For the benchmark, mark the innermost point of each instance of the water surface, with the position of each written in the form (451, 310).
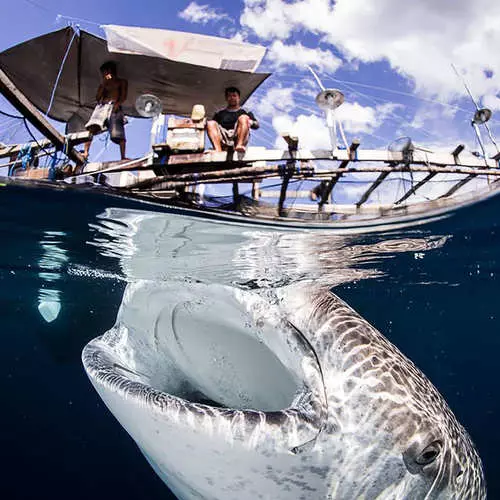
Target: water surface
(67, 256)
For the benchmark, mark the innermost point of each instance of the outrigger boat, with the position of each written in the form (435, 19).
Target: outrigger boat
(175, 73)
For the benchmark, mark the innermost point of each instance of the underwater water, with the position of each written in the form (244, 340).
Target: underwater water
(66, 257)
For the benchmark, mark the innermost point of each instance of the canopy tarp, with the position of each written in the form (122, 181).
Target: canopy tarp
(203, 50)
(34, 65)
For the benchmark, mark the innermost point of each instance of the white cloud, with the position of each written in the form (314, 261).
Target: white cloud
(420, 39)
(201, 14)
(312, 130)
(299, 56)
(277, 99)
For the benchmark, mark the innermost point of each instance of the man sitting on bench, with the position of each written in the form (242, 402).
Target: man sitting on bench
(230, 127)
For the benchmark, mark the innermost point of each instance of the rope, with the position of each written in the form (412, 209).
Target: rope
(11, 116)
(75, 33)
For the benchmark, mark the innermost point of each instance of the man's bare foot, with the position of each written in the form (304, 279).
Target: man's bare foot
(240, 148)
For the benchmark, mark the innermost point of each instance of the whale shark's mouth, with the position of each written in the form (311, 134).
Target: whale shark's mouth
(210, 345)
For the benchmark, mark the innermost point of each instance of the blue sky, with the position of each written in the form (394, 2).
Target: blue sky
(391, 58)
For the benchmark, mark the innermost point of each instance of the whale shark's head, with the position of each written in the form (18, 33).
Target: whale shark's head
(229, 394)
(399, 436)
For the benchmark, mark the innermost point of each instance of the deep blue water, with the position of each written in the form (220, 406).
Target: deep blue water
(438, 302)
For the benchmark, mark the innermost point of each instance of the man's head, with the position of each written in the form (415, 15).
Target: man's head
(108, 70)
(232, 97)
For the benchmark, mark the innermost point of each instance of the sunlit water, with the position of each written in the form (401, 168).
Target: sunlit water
(66, 258)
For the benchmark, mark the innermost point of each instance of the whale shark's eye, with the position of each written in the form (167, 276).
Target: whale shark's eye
(429, 454)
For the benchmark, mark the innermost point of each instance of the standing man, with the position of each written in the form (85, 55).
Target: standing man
(108, 113)
(230, 127)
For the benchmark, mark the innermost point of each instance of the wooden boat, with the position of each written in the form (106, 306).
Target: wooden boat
(174, 172)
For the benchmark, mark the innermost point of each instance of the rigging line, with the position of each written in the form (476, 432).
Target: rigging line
(466, 86)
(42, 7)
(386, 89)
(399, 92)
(11, 116)
(70, 18)
(75, 33)
(14, 131)
(391, 113)
(34, 138)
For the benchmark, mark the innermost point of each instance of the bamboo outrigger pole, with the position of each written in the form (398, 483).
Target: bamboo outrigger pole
(24, 106)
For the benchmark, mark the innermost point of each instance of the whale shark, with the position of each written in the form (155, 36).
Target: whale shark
(230, 393)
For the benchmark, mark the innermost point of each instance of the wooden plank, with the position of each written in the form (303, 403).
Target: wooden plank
(24, 106)
(412, 168)
(14, 149)
(264, 193)
(347, 209)
(371, 155)
(372, 188)
(269, 170)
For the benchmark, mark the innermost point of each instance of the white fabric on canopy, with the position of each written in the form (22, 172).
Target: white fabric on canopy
(202, 50)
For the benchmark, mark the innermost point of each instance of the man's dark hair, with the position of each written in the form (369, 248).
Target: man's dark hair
(108, 66)
(232, 89)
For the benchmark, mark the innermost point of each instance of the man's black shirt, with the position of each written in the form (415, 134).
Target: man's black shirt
(227, 118)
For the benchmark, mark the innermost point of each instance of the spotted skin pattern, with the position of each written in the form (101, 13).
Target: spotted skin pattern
(368, 424)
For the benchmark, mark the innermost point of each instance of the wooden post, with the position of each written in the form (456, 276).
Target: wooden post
(236, 192)
(26, 108)
(331, 184)
(284, 187)
(293, 145)
(372, 188)
(255, 190)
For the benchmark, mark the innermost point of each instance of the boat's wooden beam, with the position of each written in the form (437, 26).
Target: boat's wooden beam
(321, 174)
(369, 155)
(458, 185)
(372, 188)
(14, 149)
(455, 153)
(418, 185)
(264, 193)
(268, 170)
(24, 106)
(331, 183)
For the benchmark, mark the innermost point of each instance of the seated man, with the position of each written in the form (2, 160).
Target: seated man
(112, 92)
(230, 127)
